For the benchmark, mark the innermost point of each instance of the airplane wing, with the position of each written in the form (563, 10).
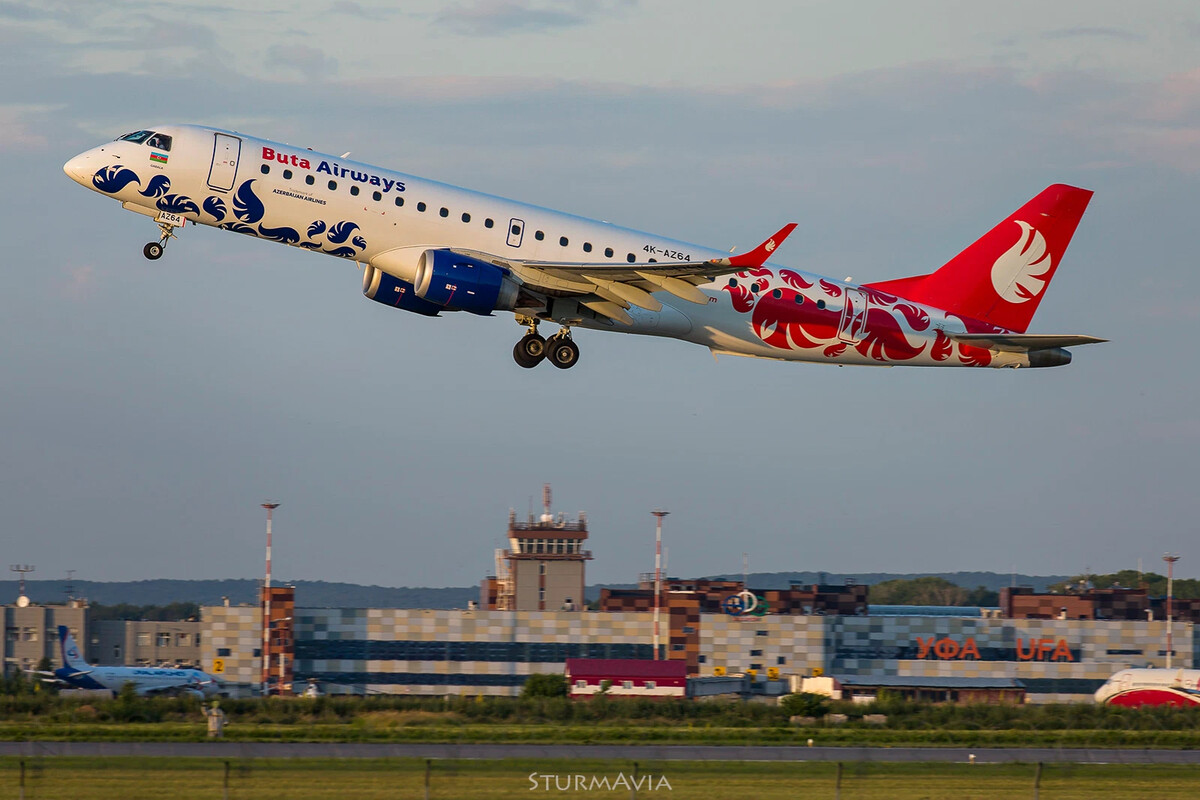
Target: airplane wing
(56, 678)
(610, 289)
(174, 687)
(1022, 342)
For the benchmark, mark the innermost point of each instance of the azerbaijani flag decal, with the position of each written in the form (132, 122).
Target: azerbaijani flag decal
(158, 158)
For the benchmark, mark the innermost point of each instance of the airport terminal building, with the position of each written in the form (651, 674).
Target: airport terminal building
(477, 652)
(531, 618)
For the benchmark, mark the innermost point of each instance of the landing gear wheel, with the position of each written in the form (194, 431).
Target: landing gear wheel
(562, 352)
(153, 251)
(530, 351)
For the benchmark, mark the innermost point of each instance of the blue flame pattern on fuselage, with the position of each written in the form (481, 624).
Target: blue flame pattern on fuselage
(282, 234)
(177, 204)
(247, 207)
(340, 232)
(159, 185)
(113, 179)
(215, 206)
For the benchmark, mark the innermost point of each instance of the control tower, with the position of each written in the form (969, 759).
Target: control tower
(543, 567)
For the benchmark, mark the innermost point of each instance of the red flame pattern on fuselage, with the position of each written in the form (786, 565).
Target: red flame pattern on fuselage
(891, 332)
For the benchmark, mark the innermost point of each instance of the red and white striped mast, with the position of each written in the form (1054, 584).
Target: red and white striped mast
(266, 648)
(659, 514)
(1170, 559)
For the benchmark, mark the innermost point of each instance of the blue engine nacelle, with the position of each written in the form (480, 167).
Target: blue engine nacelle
(461, 283)
(391, 291)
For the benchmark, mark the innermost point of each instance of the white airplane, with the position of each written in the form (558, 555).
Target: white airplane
(428, 247)
(78, 674)
(1151, 687)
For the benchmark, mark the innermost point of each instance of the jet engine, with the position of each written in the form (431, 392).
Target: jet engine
(391, 291)
(462, 283)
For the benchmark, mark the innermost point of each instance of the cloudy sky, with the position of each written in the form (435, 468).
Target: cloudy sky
(147, 408)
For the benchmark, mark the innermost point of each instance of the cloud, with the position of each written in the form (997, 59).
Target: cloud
(310, 62)
(81, 281)
(499, 17)
(22, 127)
(22, 12)
(1094, 33)
(352, 9)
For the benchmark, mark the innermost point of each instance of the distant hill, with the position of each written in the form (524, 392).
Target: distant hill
(995, 581)
(324, 594)
(310, 594)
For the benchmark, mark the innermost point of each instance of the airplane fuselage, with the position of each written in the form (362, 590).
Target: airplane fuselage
(386, 221)
(146, 680)
(1151, 687)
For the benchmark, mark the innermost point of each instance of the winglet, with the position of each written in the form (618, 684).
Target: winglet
(759, 255)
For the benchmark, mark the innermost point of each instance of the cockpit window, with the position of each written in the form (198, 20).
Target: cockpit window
(138, 136)
(160, 141)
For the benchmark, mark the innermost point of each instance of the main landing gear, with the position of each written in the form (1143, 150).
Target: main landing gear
(559, 350)
(154, 250)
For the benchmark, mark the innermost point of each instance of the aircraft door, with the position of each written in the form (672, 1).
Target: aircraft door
(516, 232)
(226, 152)
(854, 316)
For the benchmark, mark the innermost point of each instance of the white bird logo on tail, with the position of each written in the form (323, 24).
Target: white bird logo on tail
(1019, 275)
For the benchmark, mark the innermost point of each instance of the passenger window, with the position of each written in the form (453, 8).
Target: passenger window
(778, 293)
(487, 223)
(587, 247)
(376, 196)
(333, 186)
(799, 299)
(287, 174)
(608, 252)
(539, 235)
(310, 180)
(516, 230)
(264, 169)
(733, 283)
(354, 190)
(399, 201)
(820, 304)
(466, 217)
(563, 241)
(445, 212)
(420, 206)
(631, 258)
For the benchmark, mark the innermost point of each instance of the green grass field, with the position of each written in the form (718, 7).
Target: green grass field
(385, 728)
(202, 778)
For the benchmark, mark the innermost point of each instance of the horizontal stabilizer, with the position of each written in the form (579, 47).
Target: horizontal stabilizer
(1022, 342)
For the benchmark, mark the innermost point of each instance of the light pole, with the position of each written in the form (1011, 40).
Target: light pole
(266, 648)
(659, 514)
(1170, 559)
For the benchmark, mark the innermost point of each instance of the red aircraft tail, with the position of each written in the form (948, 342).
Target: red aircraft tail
(1001, 278)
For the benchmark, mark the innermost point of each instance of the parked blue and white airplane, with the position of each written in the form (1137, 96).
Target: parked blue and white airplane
(427, 247)
(78, 674)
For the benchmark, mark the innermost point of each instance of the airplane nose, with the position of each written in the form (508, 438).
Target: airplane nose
(76, 168)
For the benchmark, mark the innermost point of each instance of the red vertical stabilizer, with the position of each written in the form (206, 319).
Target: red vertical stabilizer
(1001, 278)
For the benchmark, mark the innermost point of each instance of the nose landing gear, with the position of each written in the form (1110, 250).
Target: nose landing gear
(167, 223)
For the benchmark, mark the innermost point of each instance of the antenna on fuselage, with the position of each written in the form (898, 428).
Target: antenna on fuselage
(345, 154)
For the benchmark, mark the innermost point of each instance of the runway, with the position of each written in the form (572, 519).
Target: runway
(254, 750)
